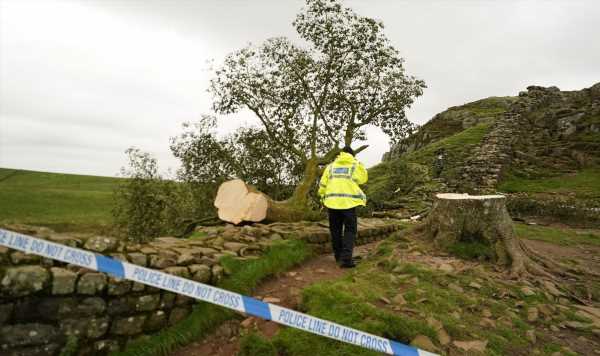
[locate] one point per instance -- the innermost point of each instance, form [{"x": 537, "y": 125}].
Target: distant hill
[
  {"x": 64, "y": 202},
  {"x": 542, "y": 147}
]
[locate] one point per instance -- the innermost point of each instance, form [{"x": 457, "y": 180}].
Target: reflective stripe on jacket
[{"x": 338, "y": 187}]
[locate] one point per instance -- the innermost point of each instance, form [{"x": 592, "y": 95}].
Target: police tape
[{"x": 204, "y": 292}]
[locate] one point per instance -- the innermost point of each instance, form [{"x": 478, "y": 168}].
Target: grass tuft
[
  {"x": 472, "y": 250},
  {"x": 254, "y": 344}
]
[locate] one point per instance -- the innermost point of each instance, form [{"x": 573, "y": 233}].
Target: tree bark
[
  {"x": 484, "y": 218},
  {"x": 300, "y": 197},
  {"x": 237, "y": 201}
]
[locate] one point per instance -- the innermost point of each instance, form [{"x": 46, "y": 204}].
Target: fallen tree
[
  {"x": 308, "y": 99},
  {"x": 237, "y": 201}
]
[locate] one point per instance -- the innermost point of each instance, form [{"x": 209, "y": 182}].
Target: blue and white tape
[{"x": 205, "y": 293}]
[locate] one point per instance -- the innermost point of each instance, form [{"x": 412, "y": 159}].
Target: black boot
[{"x": 347, "y": 264}]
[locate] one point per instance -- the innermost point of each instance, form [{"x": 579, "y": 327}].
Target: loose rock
[{"x": 423, "y": 342}]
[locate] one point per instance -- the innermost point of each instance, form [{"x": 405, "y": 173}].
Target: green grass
[
  {"x": 563, "y": 236},
  {"x": 386, "y": 177},
  {"x": 456, "y": 145},
  {"x": 472, "y": 250},
  {"x": 205, "y": 317},
  {"x": 490, "y": 106},
  {"x": 64, "y": 202},
  {"x": 254, "y": 344},
  {"x": 343, "y": 302},
  {"x": 198, "y": 235},
  {"x": 584, "y": 184},
  {"x": 355, "y": 301}
]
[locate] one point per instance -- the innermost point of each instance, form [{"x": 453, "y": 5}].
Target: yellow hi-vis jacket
[{"x": 338, "y": 187}]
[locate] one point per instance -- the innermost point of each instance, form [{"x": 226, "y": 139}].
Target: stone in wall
[
  {"x": 104, "y": 311},
  {"x": 118, "y": 286},
  {"x": 145, "y": 302},
  {"x": 156, "y": 321},
  {"x": 101, "y": 244},
  {"x": 63, "y": 281},
  {"x": 92, "y": 328},
  {"x": 24, "y": 280},
  {"x": 33, "y": 334},
  {"x": 200, "y": 273},
  {"x": 131, "y": 325},
  {"x": 91, "y": 283}
]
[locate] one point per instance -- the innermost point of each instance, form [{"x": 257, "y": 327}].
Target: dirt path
[
  {"x": 585, "y": 256},
  {"x": 282, "y": 290}
]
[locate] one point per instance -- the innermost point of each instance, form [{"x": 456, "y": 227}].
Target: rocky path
[{"x": 284, "y": 290}]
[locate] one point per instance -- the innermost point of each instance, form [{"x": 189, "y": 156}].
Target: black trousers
[{"x": 342, "y": 225}]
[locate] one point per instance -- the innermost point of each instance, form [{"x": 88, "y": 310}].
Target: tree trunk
[
  {"x": 484, "y": 218},
  {"x": 237, "y": 201},
  {"x": 300, "y": 197}
]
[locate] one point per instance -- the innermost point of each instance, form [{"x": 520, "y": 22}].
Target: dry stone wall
[
  {"x": 544, "y": 125},
  {"x": 43, "y": 302}
]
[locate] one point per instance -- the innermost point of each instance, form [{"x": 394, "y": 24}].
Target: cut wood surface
[{"x": 236, "y": 202}]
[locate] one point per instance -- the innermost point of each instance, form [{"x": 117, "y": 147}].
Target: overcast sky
[{"x": 81, "y": 81}]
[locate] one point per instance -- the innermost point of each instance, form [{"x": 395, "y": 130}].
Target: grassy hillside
[
  {"x": 554, "y": 166},
  {"x": 64, "y": 202},
  {"x": 407, "y": 180},
  {"x": 452, "y": 121},
  {"x": 584, "y": 184}
]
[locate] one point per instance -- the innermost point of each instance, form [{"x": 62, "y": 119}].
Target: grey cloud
[{"x": 80, "y": 81}]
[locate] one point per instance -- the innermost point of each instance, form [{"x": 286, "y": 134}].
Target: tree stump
[
  {"x": 464, "y": 217},
  {"x": 237, "y": 201}
]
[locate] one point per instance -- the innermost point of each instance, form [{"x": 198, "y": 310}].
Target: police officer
[{"x": 340, "y": 193}]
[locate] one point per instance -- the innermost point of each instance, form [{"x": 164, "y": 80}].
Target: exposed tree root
[{"x": 455, "y": 218}]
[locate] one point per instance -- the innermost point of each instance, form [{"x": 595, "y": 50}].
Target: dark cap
[{"x": 348, "y": 149}]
